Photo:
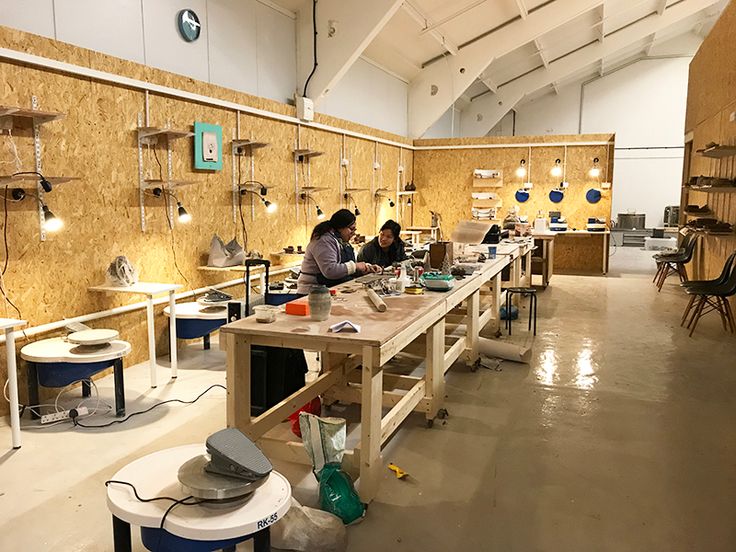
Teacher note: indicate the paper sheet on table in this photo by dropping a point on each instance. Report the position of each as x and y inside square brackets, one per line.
[345, 326]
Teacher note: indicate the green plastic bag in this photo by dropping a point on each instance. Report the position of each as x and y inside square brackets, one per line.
[337, 494]
[324, 440]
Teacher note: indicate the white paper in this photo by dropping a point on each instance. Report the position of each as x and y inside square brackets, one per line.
[345, 326]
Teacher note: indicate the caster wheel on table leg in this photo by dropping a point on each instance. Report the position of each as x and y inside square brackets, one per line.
[430, 423]
[475, 365]
[443, 414]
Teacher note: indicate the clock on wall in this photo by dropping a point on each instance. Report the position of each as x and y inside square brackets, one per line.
[189, 25]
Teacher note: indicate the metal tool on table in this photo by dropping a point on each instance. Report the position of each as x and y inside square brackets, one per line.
[230, 472]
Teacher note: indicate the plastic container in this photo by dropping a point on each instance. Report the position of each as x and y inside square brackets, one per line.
[320, 303]
[265, 314]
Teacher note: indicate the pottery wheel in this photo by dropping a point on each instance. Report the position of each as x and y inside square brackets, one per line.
[93, 337]
[210, 486]
[89, 349]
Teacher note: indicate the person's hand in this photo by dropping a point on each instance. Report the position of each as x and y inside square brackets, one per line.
[360, 266]
[378, 269]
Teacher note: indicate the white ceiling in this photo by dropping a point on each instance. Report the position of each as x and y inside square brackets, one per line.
[423, 31]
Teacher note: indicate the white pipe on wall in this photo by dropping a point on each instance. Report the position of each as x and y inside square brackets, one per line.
[103, 76]
[51, 326]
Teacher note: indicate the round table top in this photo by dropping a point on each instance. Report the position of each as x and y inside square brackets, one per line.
[156, 475]
[58, 349]
[197, 311]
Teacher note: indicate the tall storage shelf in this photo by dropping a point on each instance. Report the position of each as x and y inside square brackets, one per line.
[485, 201]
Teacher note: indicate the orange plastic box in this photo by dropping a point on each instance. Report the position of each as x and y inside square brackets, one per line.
[299, 307]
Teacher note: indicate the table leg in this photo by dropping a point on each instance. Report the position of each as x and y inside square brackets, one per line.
[206, 342]
[86, 388]
[262, 540]
[172, 335]
[12, 386]
[472, 328]
[496, 300]
[121, 535]
[435, 371]
[33, 389]
[370, 425]
[237, 376]
[516, 276]
[152, 339]
[119, 387]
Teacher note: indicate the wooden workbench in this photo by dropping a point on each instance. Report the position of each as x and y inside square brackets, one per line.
[383, 335]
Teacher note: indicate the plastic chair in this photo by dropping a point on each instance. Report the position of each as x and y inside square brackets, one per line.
[532, 293]
[676, 264]
[714, 297]
[695, 284]
[662, 258]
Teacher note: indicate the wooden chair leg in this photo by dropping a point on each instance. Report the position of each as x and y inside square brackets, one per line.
[687, 309]
[696, 318]
[656, 274]
[729, 315]
[698, 305]
[721, 308]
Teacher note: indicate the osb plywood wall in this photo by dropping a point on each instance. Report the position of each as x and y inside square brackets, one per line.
[97, 141]
[710, 104]
[444, 178]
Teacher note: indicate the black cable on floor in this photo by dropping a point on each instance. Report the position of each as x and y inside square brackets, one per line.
[129, 416]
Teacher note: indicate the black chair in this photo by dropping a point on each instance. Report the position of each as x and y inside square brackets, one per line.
[523, 291]
[714, 297]
[676, 264]
[695, 284]
[661, 258]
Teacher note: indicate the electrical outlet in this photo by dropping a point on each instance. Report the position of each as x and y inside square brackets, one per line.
[61, 416]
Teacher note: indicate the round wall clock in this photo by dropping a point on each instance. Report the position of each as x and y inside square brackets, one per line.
[189, 25]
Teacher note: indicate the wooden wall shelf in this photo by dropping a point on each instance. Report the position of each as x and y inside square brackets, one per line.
[17, 117]
[246, 147]
[718, 152]
[151, 135]
[303, 154]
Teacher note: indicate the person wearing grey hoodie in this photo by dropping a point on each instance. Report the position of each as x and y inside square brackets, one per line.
[329, 259]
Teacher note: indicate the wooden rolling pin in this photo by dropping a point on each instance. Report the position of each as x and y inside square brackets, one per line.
[376, 300]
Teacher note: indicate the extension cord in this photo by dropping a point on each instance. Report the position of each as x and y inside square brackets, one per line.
[61, 416]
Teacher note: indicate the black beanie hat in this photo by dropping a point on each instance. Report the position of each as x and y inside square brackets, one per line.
[342, 219]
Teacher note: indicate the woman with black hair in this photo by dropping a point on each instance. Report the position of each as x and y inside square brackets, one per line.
[386, 248]
[329, 259]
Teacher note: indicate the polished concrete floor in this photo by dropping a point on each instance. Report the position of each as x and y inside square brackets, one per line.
[620, 435]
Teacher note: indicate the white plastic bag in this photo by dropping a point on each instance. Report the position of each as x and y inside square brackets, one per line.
[222, 254]
[121, 272]
[308, 530]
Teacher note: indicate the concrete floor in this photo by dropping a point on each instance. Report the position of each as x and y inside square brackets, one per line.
[618, 436]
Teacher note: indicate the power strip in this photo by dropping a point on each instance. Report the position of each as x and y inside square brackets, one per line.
[61, 416]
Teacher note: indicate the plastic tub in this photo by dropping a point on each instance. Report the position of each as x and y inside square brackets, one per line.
[265, 313]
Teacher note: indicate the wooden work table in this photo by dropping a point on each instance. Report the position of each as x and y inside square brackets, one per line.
[574, 252]
[383, 335]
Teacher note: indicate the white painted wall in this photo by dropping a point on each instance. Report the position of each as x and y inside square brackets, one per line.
[644, 104]
[369, 95]
[245, 44]
[448, 126]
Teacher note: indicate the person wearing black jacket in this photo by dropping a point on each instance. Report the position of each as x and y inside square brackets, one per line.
[386, 248]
